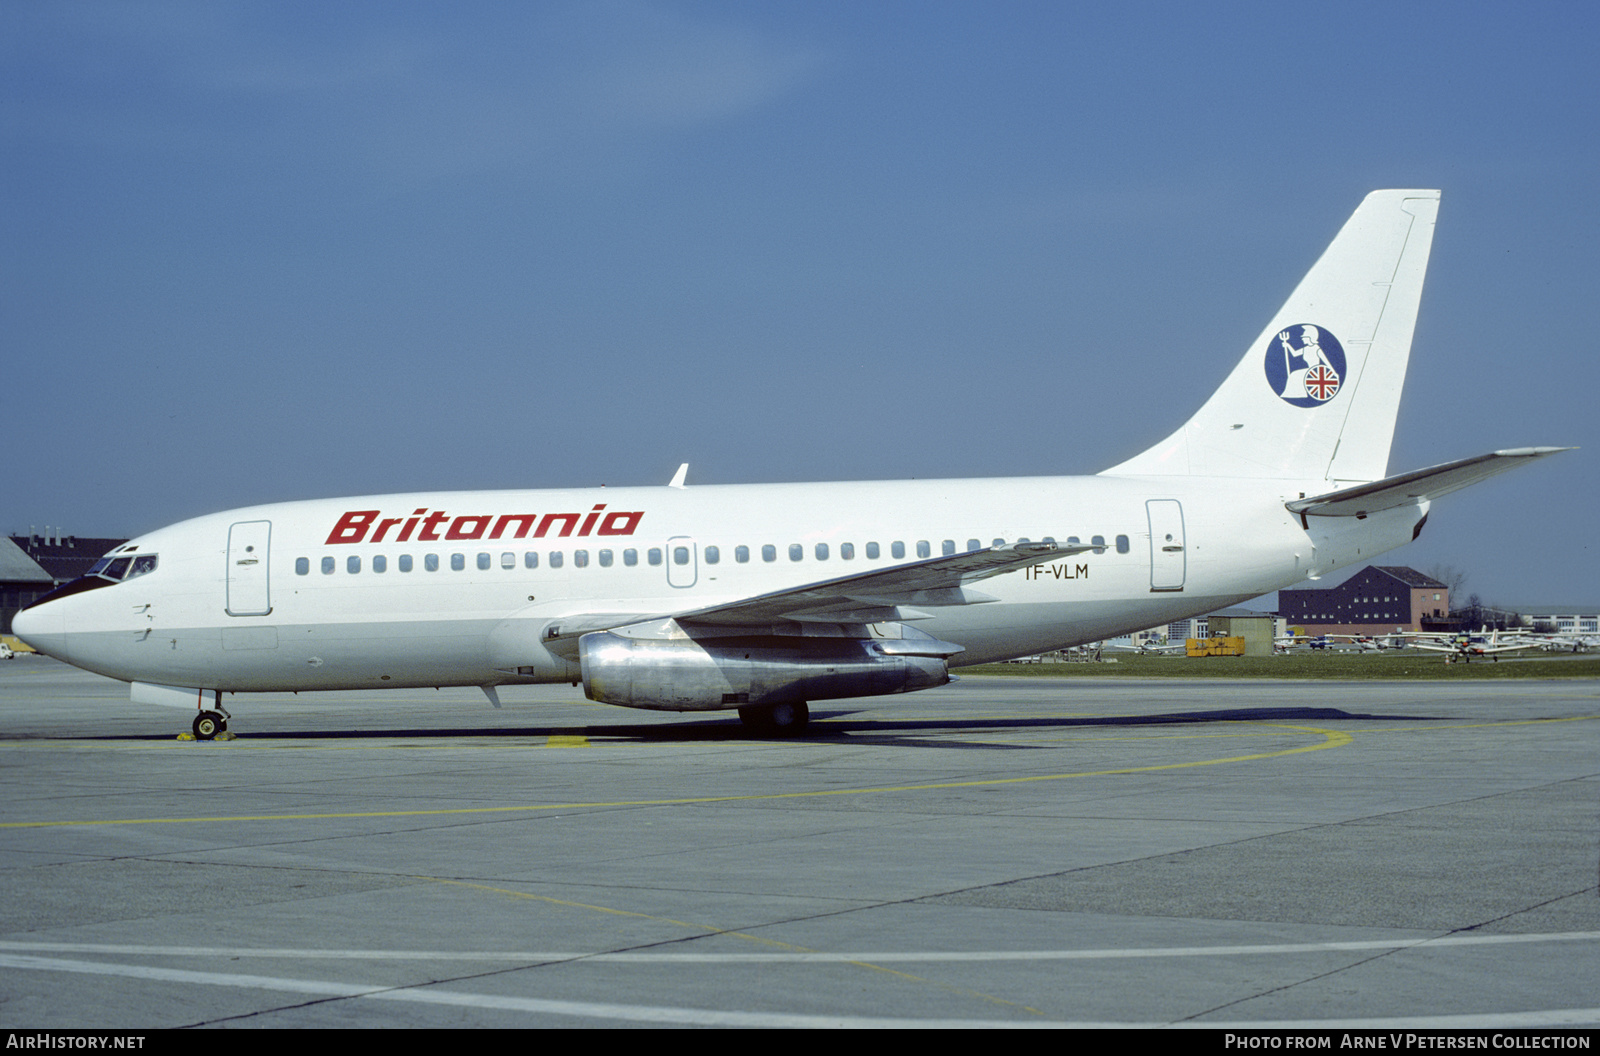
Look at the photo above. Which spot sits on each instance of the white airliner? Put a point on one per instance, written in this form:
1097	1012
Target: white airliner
765	597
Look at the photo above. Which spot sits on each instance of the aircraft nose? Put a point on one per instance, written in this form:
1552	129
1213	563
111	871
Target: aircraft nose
38	625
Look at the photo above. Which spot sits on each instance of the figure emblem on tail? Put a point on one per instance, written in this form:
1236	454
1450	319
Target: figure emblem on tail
1307	375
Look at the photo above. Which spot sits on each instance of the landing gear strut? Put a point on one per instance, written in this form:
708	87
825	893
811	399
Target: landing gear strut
787	719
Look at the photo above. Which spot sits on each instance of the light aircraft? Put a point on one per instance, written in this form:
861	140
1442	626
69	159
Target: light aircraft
1577	643
1366	643
1284	643
763	598
1152	647
1463	647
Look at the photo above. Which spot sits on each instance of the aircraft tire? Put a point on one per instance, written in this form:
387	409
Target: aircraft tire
207	725
785	720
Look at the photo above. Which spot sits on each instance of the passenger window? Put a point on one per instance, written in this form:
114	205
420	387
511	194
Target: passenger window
630	557
327	566
713	555
999	542
796	552
1099	542
741	554
530	559
352	564
405	562
947	547
605	558
680	555
430	562
485	561
974	544
653	555
923	550
380	563
822	551
897	550
555	559
580	558
302	566
847	551
1122	544
769	553
458	562
872	551
508	560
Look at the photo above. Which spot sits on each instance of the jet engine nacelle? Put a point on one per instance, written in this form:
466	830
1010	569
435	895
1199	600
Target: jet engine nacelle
689	674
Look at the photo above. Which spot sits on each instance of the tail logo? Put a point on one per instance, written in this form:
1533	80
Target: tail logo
1308	374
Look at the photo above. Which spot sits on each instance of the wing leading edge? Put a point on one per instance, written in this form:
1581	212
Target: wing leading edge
889	594
886	594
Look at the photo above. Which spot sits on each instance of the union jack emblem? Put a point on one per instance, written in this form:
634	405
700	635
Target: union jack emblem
1321	383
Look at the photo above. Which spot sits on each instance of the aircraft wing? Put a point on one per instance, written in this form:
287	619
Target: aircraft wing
1417	487
882	595
886	594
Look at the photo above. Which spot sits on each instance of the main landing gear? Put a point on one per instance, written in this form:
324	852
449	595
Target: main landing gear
208	724
785	720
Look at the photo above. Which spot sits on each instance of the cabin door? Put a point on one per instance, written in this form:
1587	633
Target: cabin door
247	568
1169	561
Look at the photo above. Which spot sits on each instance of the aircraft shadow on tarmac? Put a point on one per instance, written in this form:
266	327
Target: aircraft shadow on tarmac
861	727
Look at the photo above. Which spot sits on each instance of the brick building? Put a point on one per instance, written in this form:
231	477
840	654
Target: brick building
1377	600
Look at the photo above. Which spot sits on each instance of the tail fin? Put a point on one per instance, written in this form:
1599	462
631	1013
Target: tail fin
1317	394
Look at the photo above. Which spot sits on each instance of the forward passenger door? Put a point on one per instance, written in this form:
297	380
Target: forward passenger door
249	592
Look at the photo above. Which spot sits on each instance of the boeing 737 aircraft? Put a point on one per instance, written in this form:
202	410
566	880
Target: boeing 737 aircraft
766	597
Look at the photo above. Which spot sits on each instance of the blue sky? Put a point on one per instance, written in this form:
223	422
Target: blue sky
257	251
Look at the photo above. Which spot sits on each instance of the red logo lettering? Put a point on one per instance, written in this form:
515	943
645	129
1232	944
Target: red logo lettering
459	527
620	522
352	527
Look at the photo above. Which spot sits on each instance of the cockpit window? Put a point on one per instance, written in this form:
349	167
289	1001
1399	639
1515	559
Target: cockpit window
117	569
103	573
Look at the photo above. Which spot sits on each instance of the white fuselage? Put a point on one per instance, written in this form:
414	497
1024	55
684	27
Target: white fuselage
439	589
766	597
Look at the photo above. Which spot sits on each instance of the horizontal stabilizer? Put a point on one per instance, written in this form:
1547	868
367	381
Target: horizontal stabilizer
1417	487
